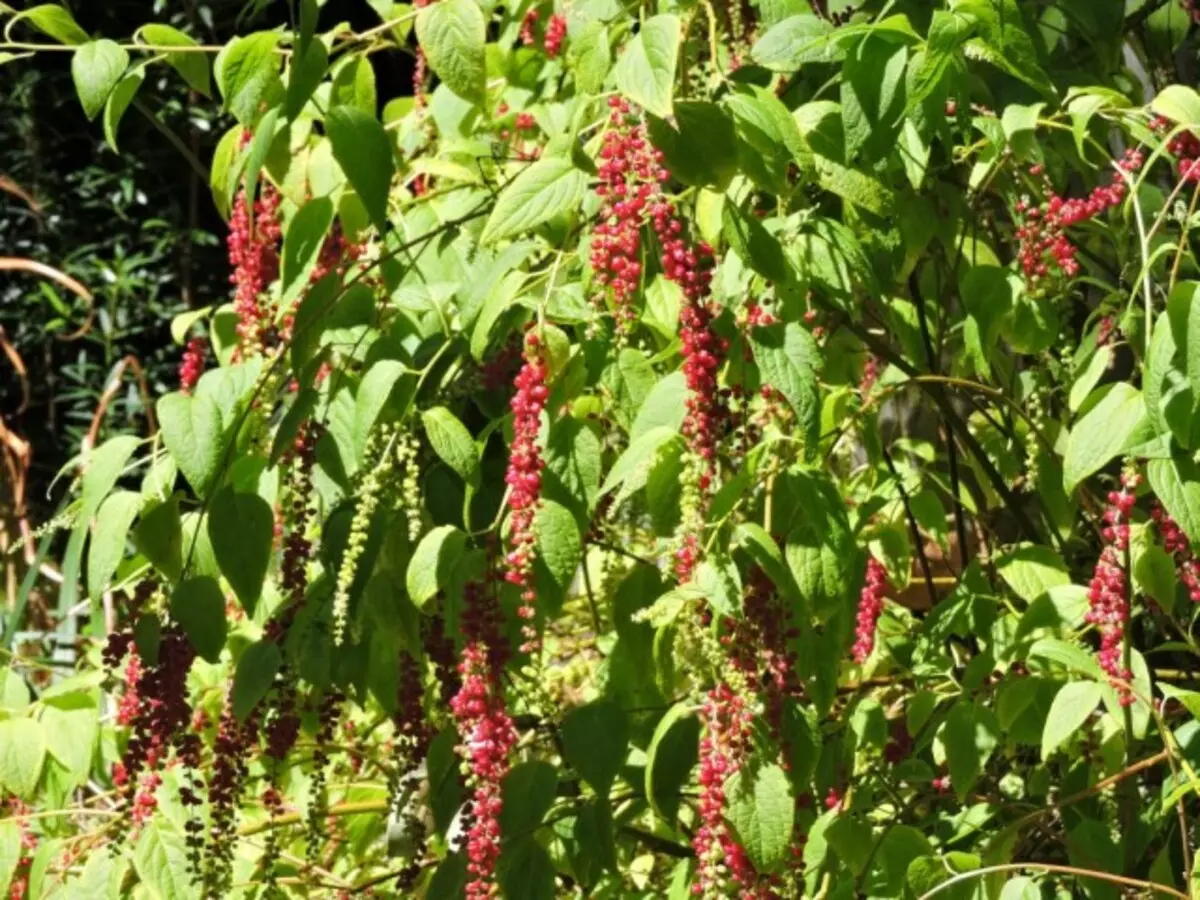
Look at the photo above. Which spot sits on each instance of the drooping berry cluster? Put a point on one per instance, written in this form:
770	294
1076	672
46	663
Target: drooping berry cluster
21	863
759	646
630	175
254	241
1185	146
1177	544
329	713
722	867
1108	595
228	771
870	608
191	365
524	479
1045	253
486	733
528	23
556	33
297	548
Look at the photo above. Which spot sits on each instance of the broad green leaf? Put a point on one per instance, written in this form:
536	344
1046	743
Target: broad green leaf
699	146
559	542
1032	570
247	73
101	470
452	443
672	753
354	85
543	190
71	724
632	467
1070	656
1072	707
11	853
1179	103
664	405
529	873
306	73
255	674
873	96
193	433
160	859
757	247
109	535
1003	41
970	734
302	245
789	361
364	152
198	605
1176	484
159	537
762	812
54	20
528	793
645	72
453	34
96	67
1183	311
22	754
1154	575
819	548
1114	424
590	57
118	103
1098	364
795	41
594	742
433	562
241	528
192	66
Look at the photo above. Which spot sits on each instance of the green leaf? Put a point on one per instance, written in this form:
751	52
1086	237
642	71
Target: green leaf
96	67
1176	484
559	543
453	34
970	734
54	20
873	96
434	562
192	431
1003	41
756	246
672	753
1154	575
645	72
22	754
590	58
762	812
362	149
160	859
1183	311
594	742
118	102
528	873
699	146
1070	656
109	535
256	672
159	537
788	358
663	407
242	530
795	41
11	853
819	549
191	66
1032	570
1072	707
1179	103
452	443
354	85
198	605
71	724
101	471
632	467
247	73
302	245
528	793
1114	424
538	194
306	73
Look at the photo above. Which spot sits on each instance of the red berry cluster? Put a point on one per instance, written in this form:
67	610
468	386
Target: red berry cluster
254	241
870	608
1107	593
1185	146
1177	544
486	733
631	174
870	375
722	867
19	886
556	33
528	37
1045	250
228	771
834	799
1106	331
524	479
191	366
759	645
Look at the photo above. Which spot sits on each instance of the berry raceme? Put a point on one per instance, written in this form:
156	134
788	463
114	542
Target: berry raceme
1108	592
870	608
254	244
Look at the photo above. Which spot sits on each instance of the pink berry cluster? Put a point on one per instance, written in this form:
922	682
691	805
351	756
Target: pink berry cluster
870	375
1045	250
1108	599
191	365
870	608
1177	544
1185	147
524	479
486	733
722	867
253	244
556	33
528	24
759	646
631	175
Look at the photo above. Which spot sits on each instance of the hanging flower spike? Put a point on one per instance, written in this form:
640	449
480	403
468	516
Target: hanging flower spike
254	255
191	366
556	33
1177	544
524	479
1108	595
870	608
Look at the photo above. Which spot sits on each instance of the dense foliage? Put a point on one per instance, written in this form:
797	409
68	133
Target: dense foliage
723	450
